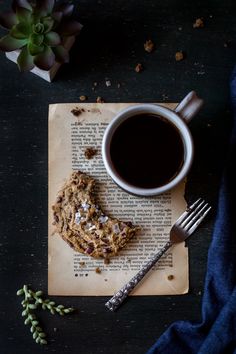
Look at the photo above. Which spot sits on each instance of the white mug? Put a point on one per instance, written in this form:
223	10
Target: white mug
183	113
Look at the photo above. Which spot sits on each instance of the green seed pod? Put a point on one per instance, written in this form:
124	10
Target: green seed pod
52	303
32	329
35	335
32	306
68	310
43	306
60	307
52	311
25	288
37	340
40	301
39	329
20	292
39	293
42	335
24	313
43	341
27	321
35	323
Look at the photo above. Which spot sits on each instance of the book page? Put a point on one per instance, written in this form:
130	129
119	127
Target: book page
72	129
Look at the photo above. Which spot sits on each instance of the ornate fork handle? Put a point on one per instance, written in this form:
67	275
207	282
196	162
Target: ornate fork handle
121	295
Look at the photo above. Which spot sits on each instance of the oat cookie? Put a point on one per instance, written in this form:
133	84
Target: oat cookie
82	223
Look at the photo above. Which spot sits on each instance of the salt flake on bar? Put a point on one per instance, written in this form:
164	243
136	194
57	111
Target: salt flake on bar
102	219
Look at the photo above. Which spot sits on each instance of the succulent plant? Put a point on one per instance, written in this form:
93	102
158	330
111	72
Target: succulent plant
38	29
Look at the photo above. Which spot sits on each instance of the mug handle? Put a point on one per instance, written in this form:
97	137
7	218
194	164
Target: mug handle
189	106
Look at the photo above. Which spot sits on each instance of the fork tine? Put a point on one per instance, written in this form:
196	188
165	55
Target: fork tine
199	220
187	212
192	214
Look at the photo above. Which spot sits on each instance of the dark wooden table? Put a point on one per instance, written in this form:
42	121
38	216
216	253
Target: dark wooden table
110	46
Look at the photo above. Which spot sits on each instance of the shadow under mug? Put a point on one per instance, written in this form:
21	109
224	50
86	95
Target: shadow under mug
179	118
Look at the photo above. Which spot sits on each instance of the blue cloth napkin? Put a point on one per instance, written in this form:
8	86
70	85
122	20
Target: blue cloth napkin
217	331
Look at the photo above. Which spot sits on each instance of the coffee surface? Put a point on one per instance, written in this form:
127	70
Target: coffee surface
147	151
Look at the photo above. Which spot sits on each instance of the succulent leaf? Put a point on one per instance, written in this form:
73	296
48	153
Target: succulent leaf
48	23
8	19
35	49
36	39
52	39
21	3
8	43
20	31
70	28
23	14
66	9
38	28
25	61
62	55
57	16
44	7
45	60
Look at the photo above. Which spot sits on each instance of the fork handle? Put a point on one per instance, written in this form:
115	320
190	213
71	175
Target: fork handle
121	295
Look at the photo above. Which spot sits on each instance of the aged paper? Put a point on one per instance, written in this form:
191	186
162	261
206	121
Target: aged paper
73	128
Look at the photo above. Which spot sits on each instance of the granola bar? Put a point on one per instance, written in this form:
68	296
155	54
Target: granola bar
82	223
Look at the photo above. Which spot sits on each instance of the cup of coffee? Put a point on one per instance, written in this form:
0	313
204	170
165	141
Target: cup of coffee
147	149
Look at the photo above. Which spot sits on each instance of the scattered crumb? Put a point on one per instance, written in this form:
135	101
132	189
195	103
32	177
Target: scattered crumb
118	85
227	44
179	56
77	111
164	96
209	125
98	270
99	100
180	28
108	83
83	98
82	264
138	68
106	261
95	84
211	16
95	110
170	277
201	72
199	293
90	152
55	329
149	46
105	279
198	23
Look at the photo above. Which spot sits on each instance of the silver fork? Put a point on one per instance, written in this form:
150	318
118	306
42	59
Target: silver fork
180	231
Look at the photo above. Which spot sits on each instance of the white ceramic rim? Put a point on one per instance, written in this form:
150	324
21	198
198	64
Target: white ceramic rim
170	116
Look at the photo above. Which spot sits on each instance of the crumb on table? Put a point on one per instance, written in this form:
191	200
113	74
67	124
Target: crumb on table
149	46
98	270
138	68
170	277
83	98
77	111
198	23
99	100
179	56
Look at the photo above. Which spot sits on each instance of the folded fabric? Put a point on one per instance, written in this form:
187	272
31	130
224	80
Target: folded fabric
217	331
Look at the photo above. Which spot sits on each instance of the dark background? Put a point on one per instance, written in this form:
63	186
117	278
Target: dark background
110	46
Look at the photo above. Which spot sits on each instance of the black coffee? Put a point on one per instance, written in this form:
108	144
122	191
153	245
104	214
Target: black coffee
147	151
